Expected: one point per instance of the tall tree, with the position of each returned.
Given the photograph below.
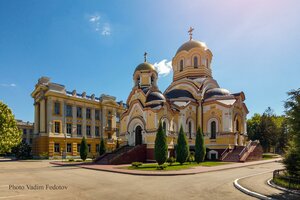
(161, 146)
(182, 148)
(102, 149)
(10, 135)
(253, 127)
(200, 149)
(292, 157)
(83, 149)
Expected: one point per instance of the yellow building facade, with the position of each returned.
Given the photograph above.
(193, 99)
(62, 118)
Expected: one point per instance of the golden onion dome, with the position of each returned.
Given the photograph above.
(144, 66)
(190, 45)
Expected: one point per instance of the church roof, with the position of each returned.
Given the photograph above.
(190, 45)
(216, 92)
(177, 93)
(145, 66)
(155, 96)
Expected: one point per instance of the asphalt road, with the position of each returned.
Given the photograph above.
(51, 182)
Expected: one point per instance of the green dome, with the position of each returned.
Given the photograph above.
(145, 66)
(190, 45)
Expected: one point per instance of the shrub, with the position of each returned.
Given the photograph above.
(44, 155)
(161, 147)
(191, 157)
(200, 149)
(71, 159)
(136, 164)
(171, 160)
(182, 148)
(161, 167)
(83, 149)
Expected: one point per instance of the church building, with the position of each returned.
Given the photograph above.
(193, 99)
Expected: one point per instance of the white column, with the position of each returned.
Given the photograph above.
(42, 116)
(36, 118)
(49, 115)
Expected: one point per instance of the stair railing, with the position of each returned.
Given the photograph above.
(225, 153)
(245, 149)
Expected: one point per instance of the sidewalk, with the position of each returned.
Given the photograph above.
(191, 171)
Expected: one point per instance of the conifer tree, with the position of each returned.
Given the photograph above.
(161, 146)
(102, 149)
(182, 149)
(200, 149)
(83, 149)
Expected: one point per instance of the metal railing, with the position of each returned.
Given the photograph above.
(293, 182)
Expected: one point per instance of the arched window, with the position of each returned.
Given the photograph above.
(195, 62)
(165, 127)
(213, 129)
(181, 65)
(237, 125)
(207, 62)
(190, 130)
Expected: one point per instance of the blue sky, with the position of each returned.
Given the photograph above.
(94, 45)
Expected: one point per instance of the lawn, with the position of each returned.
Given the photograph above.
(175, 166)
(267, 156)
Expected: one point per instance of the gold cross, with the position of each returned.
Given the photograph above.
(191, 32)
(145, 56)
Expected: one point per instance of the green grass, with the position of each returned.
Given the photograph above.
(284, 183)
(268, 156)
(175, 166)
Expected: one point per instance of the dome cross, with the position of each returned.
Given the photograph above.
(190, 31)
(145, 57)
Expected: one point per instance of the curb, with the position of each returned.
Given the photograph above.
(143, 173)
(249, 192)
(272, 184)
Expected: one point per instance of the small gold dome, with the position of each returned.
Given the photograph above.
(190, 45)
(145, 66)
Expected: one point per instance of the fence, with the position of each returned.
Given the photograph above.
(292, 182)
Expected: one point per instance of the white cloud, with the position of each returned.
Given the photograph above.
(106, 29)
(8, 85)
(163, 67)
(100, 26)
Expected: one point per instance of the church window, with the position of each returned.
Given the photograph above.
(195, 62)
(237, 126)
(181, 65)
(213, 130)
(207, 62)
(190, 130)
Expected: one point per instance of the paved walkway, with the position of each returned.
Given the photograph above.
(258, 184)
(193, 170)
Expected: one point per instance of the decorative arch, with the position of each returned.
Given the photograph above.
(133, 137)
(190, 127)
(166, 124)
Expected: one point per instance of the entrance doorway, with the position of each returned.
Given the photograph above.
(138, 135)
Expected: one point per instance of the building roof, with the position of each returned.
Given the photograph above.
(190, 45)
(177, 93)
(144, 66)
(216, 92)
(155, 96)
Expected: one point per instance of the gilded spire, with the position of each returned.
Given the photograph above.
(145, 57)
(190, 31)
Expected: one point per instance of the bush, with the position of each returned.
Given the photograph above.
(136, 164)
(161, 167)
(182, 148)
(22, 151)
(44, 155)
(83, 149)
(71, 159)
(171, 160)
(161, 146)
(191, 157)
(199, 147)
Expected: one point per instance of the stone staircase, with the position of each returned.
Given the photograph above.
(233, 156)
(123, 155)
(105, 158)
(243, 153)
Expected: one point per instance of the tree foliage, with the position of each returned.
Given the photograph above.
(83, 149)
(161, 146)
(182, 148)
(10, 135)
(269, 129)
(102, 149)
(292, 157)
(200, 149)
(22, 151)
